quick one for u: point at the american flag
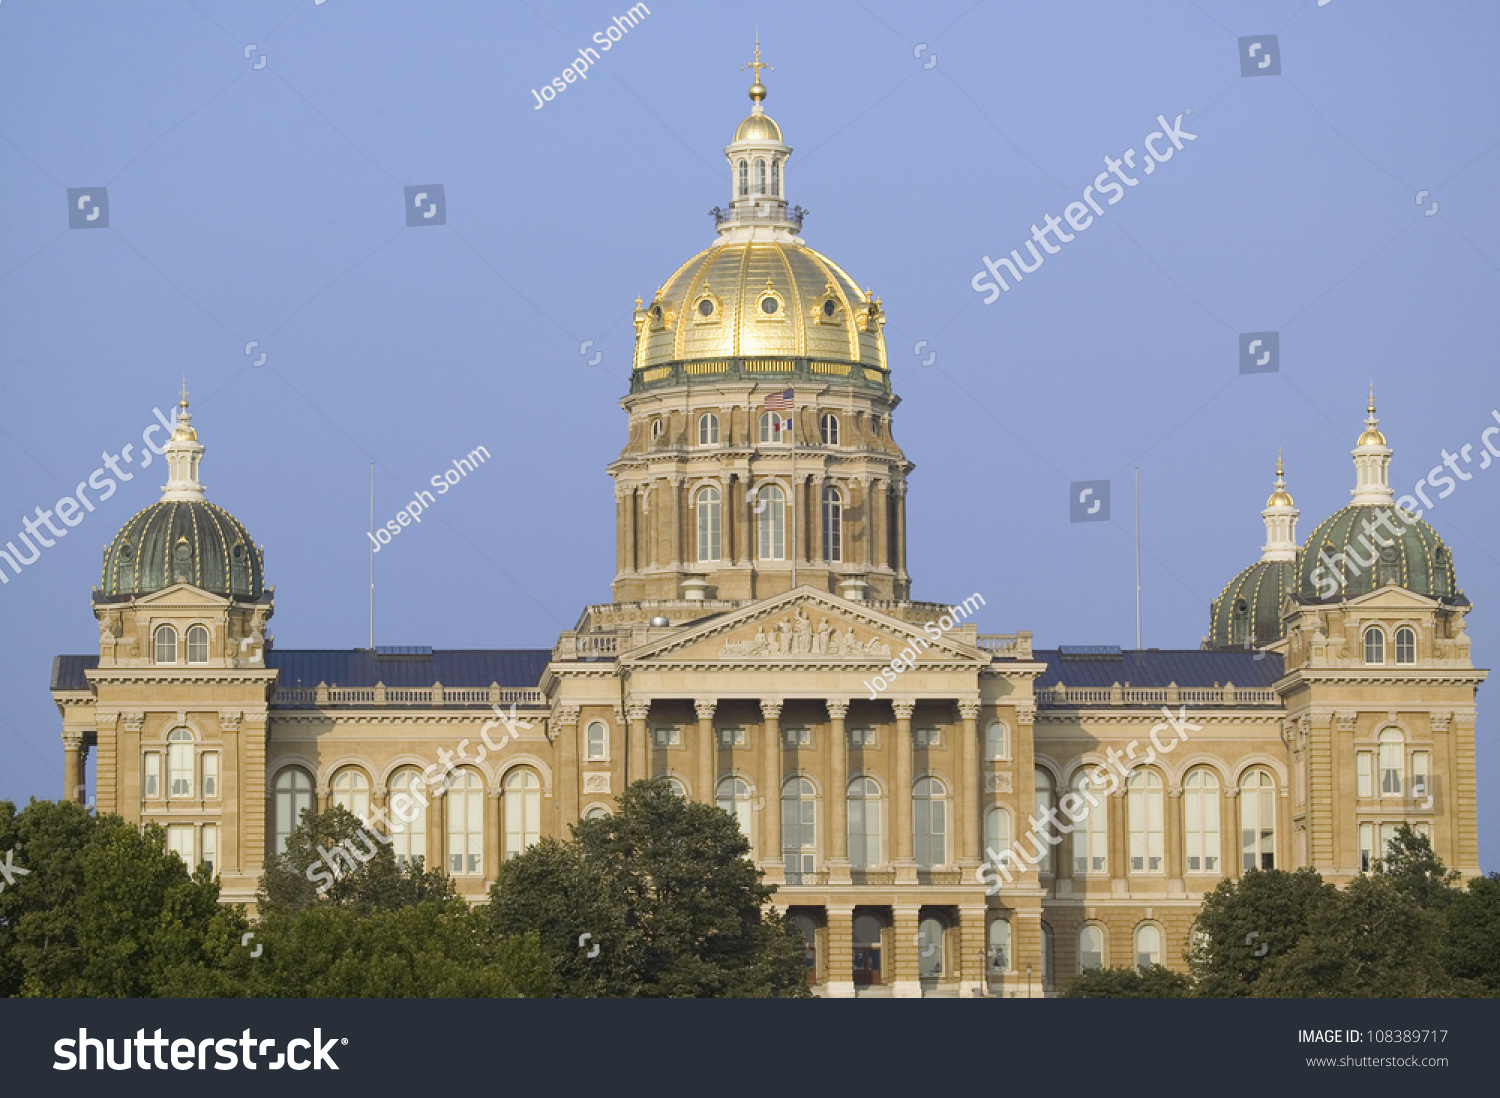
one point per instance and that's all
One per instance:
(782, 400)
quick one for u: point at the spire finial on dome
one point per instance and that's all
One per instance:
(183, 402)
(757, 89)
(1280, 497)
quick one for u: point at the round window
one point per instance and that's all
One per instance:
(126, 552)
(769, 305)
(828, 307)
(705, 307)
(656, 312)
(181, 551)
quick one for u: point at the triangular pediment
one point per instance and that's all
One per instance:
(807, 624)
(1393, 597)
(181, 594)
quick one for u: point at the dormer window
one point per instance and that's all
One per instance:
(197, 645)
(829, 308)
(166, 644)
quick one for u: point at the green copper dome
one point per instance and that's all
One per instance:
(1248, 612)
(183, 541)
(1367, 546)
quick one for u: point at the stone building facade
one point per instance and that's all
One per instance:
(944, 812)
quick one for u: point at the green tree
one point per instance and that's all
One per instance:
(1417, 872)
(1245, 924)
(667, 894)
(1155, 982)
(104, 909)
(1374, 941)
(1471, 941)
(332, 858)
(430, 949)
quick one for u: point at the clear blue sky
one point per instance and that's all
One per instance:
(267, 204)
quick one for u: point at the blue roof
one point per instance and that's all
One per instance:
(359, 667)
(1185, 667)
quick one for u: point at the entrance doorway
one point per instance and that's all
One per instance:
(867, 951)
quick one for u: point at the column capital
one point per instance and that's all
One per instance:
(705, 709)
(770, 708)
(564, 715)
(134, 722)
(1025, 714)
(229, 719)
(903, 709)
(638, 710)
(72, 741)
(838, 708)
(968, 709)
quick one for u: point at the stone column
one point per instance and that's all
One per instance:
(969, 789)
(494, 836)
(838, 795)
(73, 787)
(907, 984)
(860, 538)
(564, 728)
(379, 821)
(905, 860)
(622, 521)
(1172, 821)
(878, 518)
(1229, 833)
(744, 519)
(321, 799)
(840, 952)
(770, 789)
(973, 952)
(1119, 842)
(708, 751)
(638, 757)
(437, 828)
(900, 562)
(676, 509)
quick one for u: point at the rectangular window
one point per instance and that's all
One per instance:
(928, 737)
(1364, 769)
(151, 779)
(732, 737)
(180, 842)
(1366, 846)
(1390, 769)
(797, 737)
(1419, 782)
(180, 769)
(1423, 830)
(1387, 836)
(210, 773)
(211, 846)
(669, 737)
(862, 737)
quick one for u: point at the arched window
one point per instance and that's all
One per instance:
(180, 763)
(995, 741)
(408, 817)
(710, 524)
(999, 943)
(799, 816)
(930, 822)
(1200, 817)
(864, 823)
(1091, 835)
(775, 178)
(197, 644)
(1241, 622)
(1090, 948)
(294, 796)
(997, 835)
(1143, 807)
(351, 792)
(1147, 946)
(774, 427)
(760, 176)
(1391, 768)
(523, 811)
(833, 524)
(1043, 803)
(744, 178)
(1374, 645)
(166, 644)
(770, 522)
(708, 429)
(596, 741)
(465, 811)
(734, 797)
(656, 428)
(597, 812)
(676, 786)
(1406, 645)
(930, 947)
(828, 428)
(1258, 820)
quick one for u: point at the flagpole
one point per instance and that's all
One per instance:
(790, 529)
(372, 556)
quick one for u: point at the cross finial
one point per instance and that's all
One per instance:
(755, 66)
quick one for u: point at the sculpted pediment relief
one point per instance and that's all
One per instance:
(795, 634)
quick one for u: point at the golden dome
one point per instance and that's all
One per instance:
(758, 127)
(1372, 435)
(760, 299)
(1280, 497)
(184, 431)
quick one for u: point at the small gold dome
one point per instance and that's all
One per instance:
(760, 299)
(1279, 498)
(184, 432)
(1371, 437)
(758, 127)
